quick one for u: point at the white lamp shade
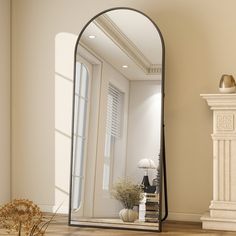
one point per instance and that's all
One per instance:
(147, 164)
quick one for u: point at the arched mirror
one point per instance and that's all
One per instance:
(117, 123)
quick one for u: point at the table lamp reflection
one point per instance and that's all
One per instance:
(146, 164)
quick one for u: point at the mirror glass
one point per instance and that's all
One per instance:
(117, 120)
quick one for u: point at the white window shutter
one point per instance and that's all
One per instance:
(114, 111)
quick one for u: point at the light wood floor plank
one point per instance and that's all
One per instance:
(171, 228)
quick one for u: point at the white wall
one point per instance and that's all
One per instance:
(143, 127)
(5, 101)
(64, 50)
(200, 44)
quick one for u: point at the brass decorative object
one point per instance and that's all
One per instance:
(24, 217)
(227, 84)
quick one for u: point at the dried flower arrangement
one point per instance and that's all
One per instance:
(24, 217)
(128, 193)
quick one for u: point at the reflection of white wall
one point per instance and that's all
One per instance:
(5, 101)
(143, 126)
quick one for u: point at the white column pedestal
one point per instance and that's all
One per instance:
(222, 210)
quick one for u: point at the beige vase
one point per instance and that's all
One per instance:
(128, 215)
(227, 84)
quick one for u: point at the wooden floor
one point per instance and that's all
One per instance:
(169, 228)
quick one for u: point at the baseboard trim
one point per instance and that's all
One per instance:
(46, 208)
(53, 209)
(184, 217)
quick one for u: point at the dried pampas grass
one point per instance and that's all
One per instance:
(128, 193)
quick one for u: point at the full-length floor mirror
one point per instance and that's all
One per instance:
(117, 123)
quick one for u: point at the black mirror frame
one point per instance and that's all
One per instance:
(162, 143)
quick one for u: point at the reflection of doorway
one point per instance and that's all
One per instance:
(107, 161)
(114, 115)
(81, 118)
(112, 141)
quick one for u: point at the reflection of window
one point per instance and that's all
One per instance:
(80, 118)
(113, 132)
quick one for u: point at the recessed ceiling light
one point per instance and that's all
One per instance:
(125, 66)
(92, 36)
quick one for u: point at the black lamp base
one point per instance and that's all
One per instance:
(145, 181)
(147, 188)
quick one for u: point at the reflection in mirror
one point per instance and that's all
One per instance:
(117, 120)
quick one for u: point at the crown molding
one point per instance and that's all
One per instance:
(109, 28)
